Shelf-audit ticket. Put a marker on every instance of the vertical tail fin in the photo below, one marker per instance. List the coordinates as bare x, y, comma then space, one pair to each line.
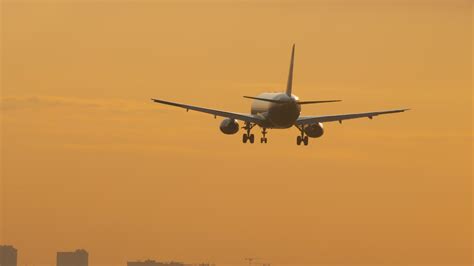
289, 85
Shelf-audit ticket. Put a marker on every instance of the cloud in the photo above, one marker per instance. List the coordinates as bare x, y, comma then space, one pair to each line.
32, 102
42, 102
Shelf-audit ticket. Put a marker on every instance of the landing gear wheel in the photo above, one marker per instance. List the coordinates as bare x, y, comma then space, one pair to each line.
298, 140
305, 140
244, 138
251, 138
263, 140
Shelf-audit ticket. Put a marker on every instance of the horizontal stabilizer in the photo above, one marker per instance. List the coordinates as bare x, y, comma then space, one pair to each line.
311, 102
265, 100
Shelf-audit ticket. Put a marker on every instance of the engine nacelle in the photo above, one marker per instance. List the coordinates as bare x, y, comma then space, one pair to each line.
314, 131
229, 126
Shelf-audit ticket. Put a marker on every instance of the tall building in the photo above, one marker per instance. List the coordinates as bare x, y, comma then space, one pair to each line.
79, 257
8, 256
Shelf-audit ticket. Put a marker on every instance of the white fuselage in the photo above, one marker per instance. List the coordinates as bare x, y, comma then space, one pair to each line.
281, 114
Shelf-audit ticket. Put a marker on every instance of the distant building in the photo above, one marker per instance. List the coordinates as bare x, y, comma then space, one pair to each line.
8, 256
143, 263
79, 257
154, 263
174, 263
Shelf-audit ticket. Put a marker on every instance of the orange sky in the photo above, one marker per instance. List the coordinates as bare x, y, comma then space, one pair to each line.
88, 161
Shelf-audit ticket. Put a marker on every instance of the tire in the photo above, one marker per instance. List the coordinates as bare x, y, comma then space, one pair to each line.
298, 140
244, 138
305, 141
252, 138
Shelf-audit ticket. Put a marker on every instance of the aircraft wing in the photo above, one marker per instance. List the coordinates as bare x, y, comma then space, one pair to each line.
304, 120
237, 116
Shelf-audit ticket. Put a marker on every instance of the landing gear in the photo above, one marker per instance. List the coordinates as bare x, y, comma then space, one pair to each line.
302, 138
247, 136
250, 138
264, 139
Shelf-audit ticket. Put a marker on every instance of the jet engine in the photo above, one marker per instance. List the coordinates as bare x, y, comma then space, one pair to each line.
315, 130
229, 126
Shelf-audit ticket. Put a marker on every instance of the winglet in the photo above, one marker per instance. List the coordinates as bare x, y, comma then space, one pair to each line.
289, 85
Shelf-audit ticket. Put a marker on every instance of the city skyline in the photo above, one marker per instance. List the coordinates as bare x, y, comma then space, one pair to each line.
80, 257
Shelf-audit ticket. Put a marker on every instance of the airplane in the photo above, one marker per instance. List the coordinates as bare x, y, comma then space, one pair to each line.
277, 110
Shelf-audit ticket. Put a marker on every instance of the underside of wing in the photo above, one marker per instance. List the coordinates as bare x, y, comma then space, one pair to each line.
238, 116
304, 120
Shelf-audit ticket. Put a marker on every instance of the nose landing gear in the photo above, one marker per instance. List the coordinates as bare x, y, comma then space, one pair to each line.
264, 139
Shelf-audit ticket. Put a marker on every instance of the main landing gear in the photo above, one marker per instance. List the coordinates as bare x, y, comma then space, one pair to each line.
247, 136
302, 138
251, 137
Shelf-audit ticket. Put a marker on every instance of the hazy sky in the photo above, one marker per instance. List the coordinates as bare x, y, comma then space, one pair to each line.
87, 161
